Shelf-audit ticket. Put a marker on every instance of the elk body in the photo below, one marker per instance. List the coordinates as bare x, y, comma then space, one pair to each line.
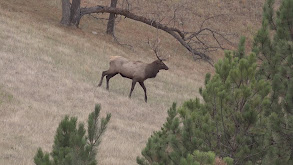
135, 70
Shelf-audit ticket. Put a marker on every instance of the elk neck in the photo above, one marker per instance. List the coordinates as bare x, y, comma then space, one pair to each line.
152, 70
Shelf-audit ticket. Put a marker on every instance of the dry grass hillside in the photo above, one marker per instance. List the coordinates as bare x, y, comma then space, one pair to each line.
48, 71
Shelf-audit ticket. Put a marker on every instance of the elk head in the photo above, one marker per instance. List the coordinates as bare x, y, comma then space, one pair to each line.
159, 62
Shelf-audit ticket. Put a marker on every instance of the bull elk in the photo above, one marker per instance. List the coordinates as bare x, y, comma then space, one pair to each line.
135, 70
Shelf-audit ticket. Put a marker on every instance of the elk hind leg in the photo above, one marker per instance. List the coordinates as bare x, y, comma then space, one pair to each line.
104, 73
108, 77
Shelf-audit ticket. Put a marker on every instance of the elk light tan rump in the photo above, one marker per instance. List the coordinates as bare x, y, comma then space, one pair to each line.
114, 57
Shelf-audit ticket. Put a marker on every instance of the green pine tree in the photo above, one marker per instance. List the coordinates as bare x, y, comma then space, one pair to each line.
236, 100
198, 158
230, 122
274, 47
41, 158
71, 145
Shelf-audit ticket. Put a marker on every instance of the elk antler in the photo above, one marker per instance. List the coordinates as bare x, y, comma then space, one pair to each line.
155, 48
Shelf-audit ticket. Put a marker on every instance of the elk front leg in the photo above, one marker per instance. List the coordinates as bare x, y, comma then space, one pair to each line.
132, 87
145, 94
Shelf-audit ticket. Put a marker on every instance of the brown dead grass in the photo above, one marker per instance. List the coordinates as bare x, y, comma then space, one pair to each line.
48, 71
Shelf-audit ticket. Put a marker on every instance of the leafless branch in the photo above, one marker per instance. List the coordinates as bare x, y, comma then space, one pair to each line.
98, 18
212, 17
122, 44
160, 22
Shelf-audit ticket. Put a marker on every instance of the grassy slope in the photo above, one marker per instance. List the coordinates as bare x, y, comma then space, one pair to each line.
48, 71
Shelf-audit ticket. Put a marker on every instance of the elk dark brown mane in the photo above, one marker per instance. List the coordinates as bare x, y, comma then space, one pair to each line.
135, 70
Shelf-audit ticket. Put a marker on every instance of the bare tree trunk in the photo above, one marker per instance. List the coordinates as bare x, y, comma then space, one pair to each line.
111, 22
65, 13
70, 12
75, 12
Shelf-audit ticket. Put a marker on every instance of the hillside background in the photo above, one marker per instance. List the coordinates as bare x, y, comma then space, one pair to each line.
48, 71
